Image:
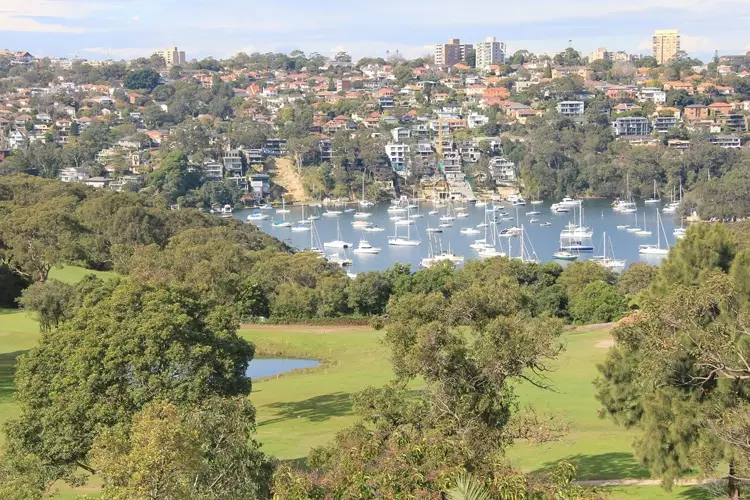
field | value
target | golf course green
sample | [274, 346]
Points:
[305, 408]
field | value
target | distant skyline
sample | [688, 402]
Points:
[124, 29]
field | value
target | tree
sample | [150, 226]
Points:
[158, 457]
[598, 302]
[37, 237]
[578, 275]
[636, 279]
[52, 301]
[173, 179]
[679, 374]
[467, 349]
[143, 79]
[136, 345]
[369, 293]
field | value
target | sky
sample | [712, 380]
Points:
[117, 29]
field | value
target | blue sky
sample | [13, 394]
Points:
[98, 29]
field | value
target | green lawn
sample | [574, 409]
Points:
[598, 448]
[297, 412]
[305, 409]
[73, 274]
[657, 493]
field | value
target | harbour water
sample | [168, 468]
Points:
[542, 240]
[268, 367]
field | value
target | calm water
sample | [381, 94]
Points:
[598, 215]
[259, 368]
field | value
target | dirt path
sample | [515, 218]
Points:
[288, 178]
[644, 482]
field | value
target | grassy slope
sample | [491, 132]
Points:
[301, 410]
[72, 274]
[599, 449]
[297, 412]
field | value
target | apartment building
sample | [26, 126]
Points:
[599, 54]
[655, 95]
[233, 164]
[453, 52]
[570, 108]
[489, 52]
[398, 156]
[172, 56]
[666, 45]
[631, 126]
[662, 124]
[726, 141]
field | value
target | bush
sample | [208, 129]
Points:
[599, 302]
[53, 302]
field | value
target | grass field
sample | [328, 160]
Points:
[304, 409]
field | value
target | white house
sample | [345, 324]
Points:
[476, 120]
[398, 156]
[570, 108]
[658, 96]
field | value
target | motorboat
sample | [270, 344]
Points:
[282, 224]
[462, 215]
[257, 216]
[569, 202]
[469, 231]
[227, 209]
[360, 224]
[545, 224]
[362, 215]
[510, 231]
[404, 222]
[364, 248]
[623, 227]
[433, 230]
[299, 228]
[534, 221]
[332, 213]
[532, 213]
[265, 207]
[374, 229]
[349, 210]
[339, 260]
[559, 209]
[433, 212]
[520, 202]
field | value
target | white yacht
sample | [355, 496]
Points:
[364, 248]
[469, 231]
[332, 213]
[434, 258]
[361, 224]
[374, 229]
[362, 215]
[257, 216]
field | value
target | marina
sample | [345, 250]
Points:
[568, 234]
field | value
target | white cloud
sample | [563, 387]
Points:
[64, 9]
[121, 52]
[23, 24]
[701, 44]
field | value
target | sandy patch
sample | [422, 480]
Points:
[605, 344]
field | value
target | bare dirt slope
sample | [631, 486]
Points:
[287, 177]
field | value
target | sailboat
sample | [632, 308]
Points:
[674, 204]
[283, 209]
[315, 245]
[627, 206]
[398, 241]
[283, 222]
[608, 260]
[339, 241]
[448, 217]
[301, 225]
[656, 249]
[680, 232]
[654, 199]
[490, 250]
[362, 201]
[644, 231]
[634, 229]
[430, 230]
[526, 257]
[365, 248]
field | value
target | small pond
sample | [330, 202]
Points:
[268, 367]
